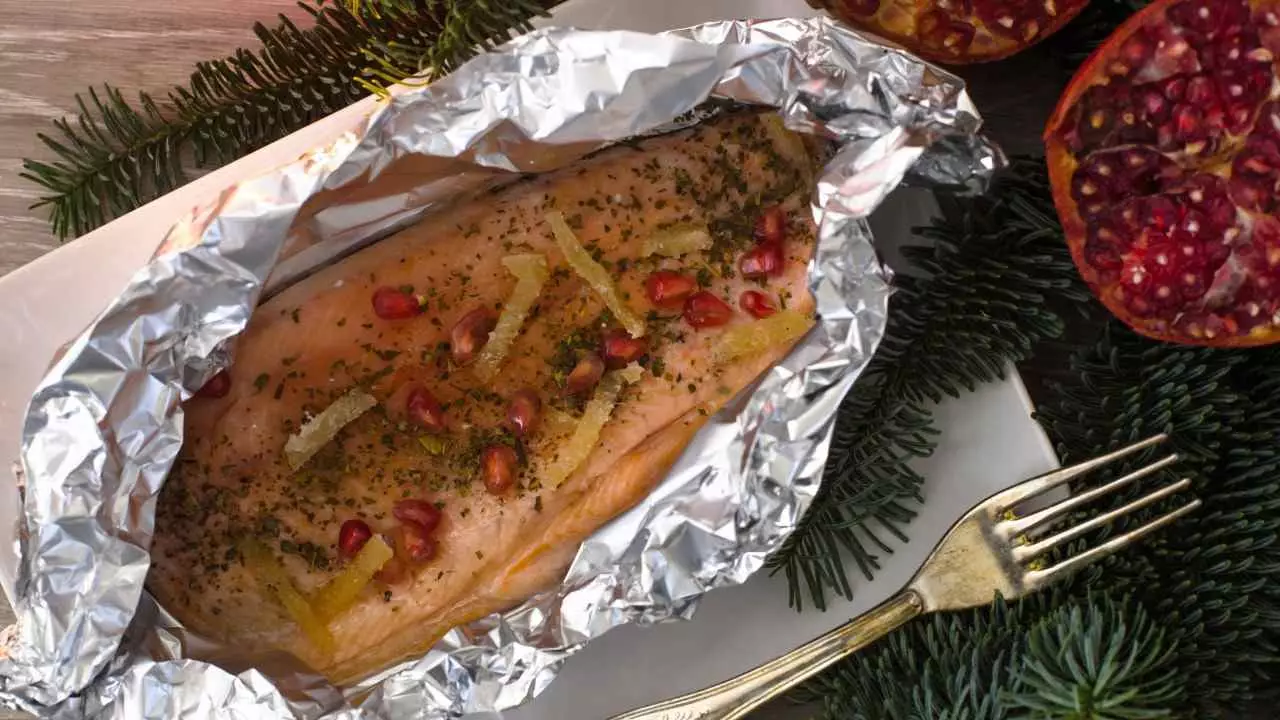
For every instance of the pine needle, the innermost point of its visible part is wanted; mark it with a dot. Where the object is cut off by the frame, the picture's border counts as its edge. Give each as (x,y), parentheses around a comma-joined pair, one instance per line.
(118,155)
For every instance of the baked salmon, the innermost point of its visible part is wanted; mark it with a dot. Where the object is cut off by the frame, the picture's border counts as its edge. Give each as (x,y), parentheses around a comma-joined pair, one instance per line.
(423,433)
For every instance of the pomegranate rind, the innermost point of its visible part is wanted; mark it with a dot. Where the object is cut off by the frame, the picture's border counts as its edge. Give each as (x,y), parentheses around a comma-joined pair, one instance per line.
(903,22)
(1062,164)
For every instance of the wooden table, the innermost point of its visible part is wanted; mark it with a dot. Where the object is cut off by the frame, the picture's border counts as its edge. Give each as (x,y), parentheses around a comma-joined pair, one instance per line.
(52,49)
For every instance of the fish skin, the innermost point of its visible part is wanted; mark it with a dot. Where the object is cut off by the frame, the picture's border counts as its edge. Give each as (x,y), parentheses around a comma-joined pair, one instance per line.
(320,338)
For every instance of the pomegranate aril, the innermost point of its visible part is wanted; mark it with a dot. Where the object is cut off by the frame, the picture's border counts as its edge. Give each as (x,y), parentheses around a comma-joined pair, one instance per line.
(523,412)
(757,304)
(585,375)
(423,408)
(1205,18)
(704,309)
(352,536)
(619,349)
(498,468)
(668,290)
(861,7)
(413,544)
(395,304)
(470,334)
(419,512)
(771,226)
(217,386)
(950,37)
(761,261)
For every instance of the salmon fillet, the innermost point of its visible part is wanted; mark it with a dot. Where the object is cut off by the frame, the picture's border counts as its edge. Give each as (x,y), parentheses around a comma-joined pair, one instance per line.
(321,338)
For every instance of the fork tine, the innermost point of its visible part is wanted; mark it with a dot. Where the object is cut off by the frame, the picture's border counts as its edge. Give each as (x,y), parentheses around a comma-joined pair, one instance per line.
(1021,492)
(1022,524)
(1023,553)
(1039,578)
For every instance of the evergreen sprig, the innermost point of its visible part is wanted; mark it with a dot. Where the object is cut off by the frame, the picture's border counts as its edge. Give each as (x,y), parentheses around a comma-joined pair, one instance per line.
(1048,657)
(1210,583)
(977,305)
(118,155)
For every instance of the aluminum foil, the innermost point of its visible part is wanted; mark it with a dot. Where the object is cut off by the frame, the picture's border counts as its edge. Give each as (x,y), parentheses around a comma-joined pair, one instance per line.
(105,425)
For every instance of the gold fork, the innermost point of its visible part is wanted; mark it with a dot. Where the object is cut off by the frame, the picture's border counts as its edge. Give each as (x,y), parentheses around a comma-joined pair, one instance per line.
(984,553)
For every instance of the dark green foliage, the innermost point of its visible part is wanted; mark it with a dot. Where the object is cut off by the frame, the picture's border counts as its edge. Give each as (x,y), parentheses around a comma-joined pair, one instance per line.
(1213,580)
(118,155)
(1210,583)
(1050,657)
(979,306)
(1099,660)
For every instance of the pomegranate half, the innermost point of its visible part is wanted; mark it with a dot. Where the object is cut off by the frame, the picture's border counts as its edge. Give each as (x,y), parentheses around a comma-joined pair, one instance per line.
(1164,155)
(957,32)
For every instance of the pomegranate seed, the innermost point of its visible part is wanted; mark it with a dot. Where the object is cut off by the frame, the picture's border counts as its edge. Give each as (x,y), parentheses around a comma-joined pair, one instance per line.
(352,536)
(584,376)
(423,408)
(470,334)
(757,304)
(498,468)
(620,349)
(523,412)
(218,386)
(703,310)
(394,304)
(761,261)
(668,290)
(419,512)
(413,544)
(771,226)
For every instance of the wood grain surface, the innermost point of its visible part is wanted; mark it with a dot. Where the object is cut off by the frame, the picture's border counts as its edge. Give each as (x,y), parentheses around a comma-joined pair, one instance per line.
(52,49)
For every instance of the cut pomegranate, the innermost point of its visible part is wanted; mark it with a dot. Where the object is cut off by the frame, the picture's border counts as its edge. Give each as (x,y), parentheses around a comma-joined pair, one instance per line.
(419,512)
(958,31)
(668,290)
(394,304)
(619,349)
(352,536)
(217,387)
(423,408)
(704,309)
(1164,155)
(757,304)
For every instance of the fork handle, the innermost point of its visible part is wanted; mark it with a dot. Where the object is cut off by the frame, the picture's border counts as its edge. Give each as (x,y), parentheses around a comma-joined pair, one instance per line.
(737,696)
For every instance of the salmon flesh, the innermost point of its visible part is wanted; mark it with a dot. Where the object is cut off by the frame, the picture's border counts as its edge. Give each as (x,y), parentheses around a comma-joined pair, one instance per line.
(742,184)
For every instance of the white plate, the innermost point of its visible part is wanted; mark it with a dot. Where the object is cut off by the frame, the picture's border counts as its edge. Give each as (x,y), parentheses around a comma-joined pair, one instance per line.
(988,439)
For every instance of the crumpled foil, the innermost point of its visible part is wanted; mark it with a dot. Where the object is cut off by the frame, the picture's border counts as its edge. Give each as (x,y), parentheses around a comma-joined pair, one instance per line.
(106,423)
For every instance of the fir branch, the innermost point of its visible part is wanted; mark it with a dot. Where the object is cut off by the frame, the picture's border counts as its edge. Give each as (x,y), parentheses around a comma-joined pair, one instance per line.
(117,156)
(1096,660)
(1213,581)
(1048,657)
(979,307)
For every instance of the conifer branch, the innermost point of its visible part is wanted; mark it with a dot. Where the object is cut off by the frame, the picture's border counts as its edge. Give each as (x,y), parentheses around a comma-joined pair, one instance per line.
(118,155)
(979,306)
